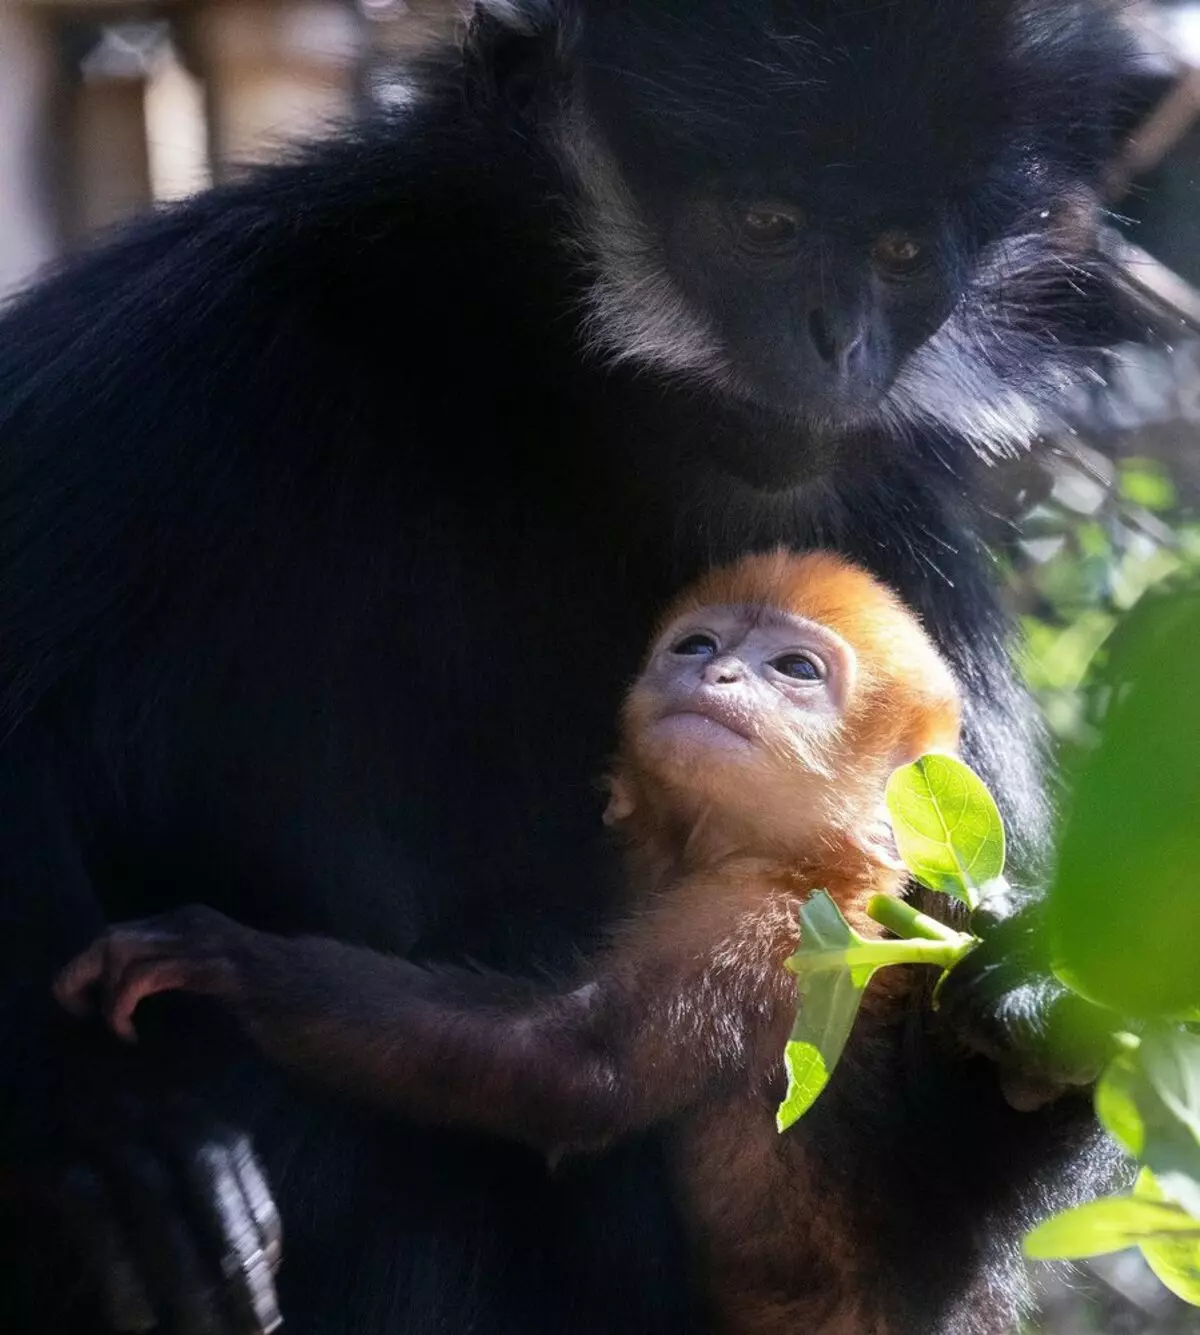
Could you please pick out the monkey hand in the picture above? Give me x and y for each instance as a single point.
(170, 1220)
(194, 949)
(1002, 1001)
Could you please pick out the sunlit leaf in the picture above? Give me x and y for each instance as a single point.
(1109, 1225)
(1139, 570)
(825, 936)
(1059, 658)
(1124, 907)
(947, 827)
(1144, 483)
(1117, 1106)
(1094, 539)
(1171, 1063)
(1147, 1100)
(830, 993)
(1176, 1259)
(807, 1074)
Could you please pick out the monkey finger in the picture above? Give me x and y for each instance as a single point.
(75, 982)
(126, 988)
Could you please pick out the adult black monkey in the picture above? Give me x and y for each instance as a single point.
(305, 485)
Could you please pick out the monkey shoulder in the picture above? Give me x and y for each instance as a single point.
(179, 401)
(226, 287)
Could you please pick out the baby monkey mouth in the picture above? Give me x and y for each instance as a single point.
(712, 708)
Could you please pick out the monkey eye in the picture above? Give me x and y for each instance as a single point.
(769, 228)
(699, 644)
(799, 667)
(900, 253)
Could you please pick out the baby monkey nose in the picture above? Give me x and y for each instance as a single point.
(724, 671)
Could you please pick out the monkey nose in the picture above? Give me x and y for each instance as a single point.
(840, 344)
(724, 671)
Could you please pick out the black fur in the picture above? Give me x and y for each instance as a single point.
(327, 547)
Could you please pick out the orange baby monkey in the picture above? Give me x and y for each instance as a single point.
(777, 697)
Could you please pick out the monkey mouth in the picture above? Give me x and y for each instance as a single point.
(704, 716)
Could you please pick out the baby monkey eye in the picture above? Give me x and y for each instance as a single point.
(699, 644)
(900, 252)
(800, 667)
(768, 228)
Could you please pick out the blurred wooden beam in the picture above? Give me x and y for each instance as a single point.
(1170, 303)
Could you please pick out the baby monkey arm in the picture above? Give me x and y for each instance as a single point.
(560, 1069)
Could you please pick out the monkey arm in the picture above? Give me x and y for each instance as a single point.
(673, 1006)
(450, 1046)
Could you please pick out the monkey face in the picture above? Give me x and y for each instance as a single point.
(801, 201)
(816, 307)
(746, 700)
(777, 698)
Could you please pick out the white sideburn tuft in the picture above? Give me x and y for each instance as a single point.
(519, 15)
(957, 378)
(636, 311)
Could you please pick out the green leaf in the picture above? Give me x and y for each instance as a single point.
(1175, 1260)
(830, 994)
(1109, 1225)
(1149, 1101)
(1123, 912)
(947, 827)
(1170, 1061)
(833, 965)
(1117, 1107)
(823, 1025)
(807, 1075)
(1145, 483)
(826, 938)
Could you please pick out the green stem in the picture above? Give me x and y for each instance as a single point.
(877, 954)
(905, 921)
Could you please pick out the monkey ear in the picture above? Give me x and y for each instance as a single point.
(620, 801)
(936, 730)
(877, 842)
(913, 748)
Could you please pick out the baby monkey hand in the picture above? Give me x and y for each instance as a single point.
(194, 949)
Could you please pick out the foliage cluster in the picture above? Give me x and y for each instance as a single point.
(1115, 655)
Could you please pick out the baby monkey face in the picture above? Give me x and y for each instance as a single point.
(778, 698)
(732, 682)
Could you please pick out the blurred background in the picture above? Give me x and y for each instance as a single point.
(109, 107)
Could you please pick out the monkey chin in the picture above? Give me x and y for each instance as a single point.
(830, 425)
(795, 443)
(779, 454)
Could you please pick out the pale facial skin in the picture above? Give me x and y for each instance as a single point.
(740, 709)
(736, 679)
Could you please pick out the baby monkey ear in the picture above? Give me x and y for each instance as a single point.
(876, 842)
(620, 801)
(936, 732)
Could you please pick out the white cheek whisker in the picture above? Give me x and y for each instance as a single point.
(988, 376)
(636, 312)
